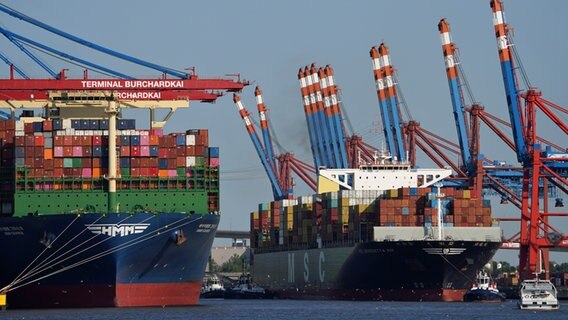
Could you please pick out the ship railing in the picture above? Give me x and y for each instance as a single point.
(306, 246)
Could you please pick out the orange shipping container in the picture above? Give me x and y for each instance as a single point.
(48, 154)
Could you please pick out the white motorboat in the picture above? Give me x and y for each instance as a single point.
(537, 294)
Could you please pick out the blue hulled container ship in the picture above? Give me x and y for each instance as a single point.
(73, 234)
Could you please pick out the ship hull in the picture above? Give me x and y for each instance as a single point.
(425, 270)
(113, 260)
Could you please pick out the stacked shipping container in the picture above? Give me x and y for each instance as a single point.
(351, 215)
(42, 156)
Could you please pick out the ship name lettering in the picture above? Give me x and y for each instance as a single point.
(13, 230)
(291, 275)
(117, 230)
(306, 267)
(321, 271)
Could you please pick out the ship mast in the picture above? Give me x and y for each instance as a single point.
(439, 197)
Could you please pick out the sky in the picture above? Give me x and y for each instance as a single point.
(266, 42)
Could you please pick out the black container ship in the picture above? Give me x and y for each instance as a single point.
(383, 231)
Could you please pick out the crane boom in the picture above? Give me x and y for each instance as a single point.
(337, 117)
(329, 117)
(321, 116)
(449, 51)
(264, 127)
(92, 45)
(509, 79)
(383, 104)
(277, 191)
(396, 126)
(309, 119)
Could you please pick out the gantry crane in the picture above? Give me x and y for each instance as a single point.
(388, 102)
(536, 233)
(92, 98)
(277, 167)
(331, 145)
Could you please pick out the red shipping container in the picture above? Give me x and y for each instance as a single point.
(125, 151)
(58, 141)
(57, 172)
(134, 172)
(38, 141)
(96, 162)
(190, 150)
(86, 162)
(135, 151)
(96, 141)
(162, 153)
(154, 171)
(20, 141)
(144, 162)
(29, 141)
(48, 164)
(135, 162)
(47, 125)
(58, 163)
(38, 151)
(145, 172)
(29, 128)
(38, 162)
(67, 140)
(86, 140)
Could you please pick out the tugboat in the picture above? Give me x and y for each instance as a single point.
(484, 290)
(247, 289)
(212, 288)
(538, 294)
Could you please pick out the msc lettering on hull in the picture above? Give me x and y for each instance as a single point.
(307, 267)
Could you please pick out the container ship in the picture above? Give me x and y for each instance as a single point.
(75, 235)
(383, 231)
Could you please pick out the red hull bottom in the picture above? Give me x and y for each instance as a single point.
(89, 296)
(157, 294)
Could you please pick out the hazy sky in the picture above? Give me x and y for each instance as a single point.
(267, 41)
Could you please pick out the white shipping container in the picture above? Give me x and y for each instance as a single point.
(19, 125)
(190, 161)
(190, 140)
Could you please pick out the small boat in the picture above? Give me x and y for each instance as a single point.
(212, 288)
(247, 289)
(537, 294)
(484, 290)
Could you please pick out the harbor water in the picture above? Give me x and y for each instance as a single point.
(299, 309)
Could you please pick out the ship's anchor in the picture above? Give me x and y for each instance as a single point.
(179, 237)
(47, 239)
